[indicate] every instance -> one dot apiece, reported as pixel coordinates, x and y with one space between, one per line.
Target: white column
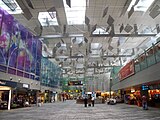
9 101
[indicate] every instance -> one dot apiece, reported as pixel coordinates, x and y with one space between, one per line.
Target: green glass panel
143 65
158 56
137 68
151 60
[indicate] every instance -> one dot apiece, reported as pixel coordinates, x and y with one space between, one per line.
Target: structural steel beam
104 66
99 35
122 35
116 56
105 56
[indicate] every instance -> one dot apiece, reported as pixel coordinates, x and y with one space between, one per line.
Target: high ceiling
111 35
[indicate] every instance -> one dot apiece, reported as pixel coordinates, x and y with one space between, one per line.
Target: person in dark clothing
144 102
85 101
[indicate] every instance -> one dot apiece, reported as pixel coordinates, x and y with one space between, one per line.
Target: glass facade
51 74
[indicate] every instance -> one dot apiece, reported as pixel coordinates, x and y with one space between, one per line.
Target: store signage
144 87
25 85
2 83
155 86
132 90
8 83
127 70
70 83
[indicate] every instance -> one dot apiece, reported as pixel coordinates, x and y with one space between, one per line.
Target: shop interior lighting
142 5
10 6
76 13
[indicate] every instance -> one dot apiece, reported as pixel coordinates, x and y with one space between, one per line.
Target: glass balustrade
147 59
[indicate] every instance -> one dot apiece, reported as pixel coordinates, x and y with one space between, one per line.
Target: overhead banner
127 70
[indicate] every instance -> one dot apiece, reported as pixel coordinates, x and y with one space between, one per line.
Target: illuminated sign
144 87
2 83
70 83
25 85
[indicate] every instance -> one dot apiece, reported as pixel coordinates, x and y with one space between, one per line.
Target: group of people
89 101
139 100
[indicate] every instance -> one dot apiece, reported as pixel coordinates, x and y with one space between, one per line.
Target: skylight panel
100 31
10 6
46 20
142 5
76 14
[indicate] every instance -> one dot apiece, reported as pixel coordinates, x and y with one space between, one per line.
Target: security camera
11 78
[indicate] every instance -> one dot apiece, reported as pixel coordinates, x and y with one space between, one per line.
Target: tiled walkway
69 110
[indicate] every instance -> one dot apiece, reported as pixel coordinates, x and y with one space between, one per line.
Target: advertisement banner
127 70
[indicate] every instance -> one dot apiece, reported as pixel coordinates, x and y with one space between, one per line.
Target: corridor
69 110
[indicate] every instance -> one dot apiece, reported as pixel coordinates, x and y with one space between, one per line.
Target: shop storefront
154 95
12 94
32 96
46 96
150 90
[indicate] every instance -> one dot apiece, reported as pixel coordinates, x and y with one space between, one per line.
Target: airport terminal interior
79 59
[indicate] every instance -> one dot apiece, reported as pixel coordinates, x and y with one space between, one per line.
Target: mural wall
20 51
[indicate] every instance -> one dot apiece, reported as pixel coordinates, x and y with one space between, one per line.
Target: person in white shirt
92 101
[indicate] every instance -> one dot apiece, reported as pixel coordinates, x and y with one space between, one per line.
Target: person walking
92 101
144 102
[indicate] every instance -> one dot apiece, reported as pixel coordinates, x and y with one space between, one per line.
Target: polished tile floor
69 110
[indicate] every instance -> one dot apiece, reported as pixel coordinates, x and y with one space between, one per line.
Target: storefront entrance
4 97
8 94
